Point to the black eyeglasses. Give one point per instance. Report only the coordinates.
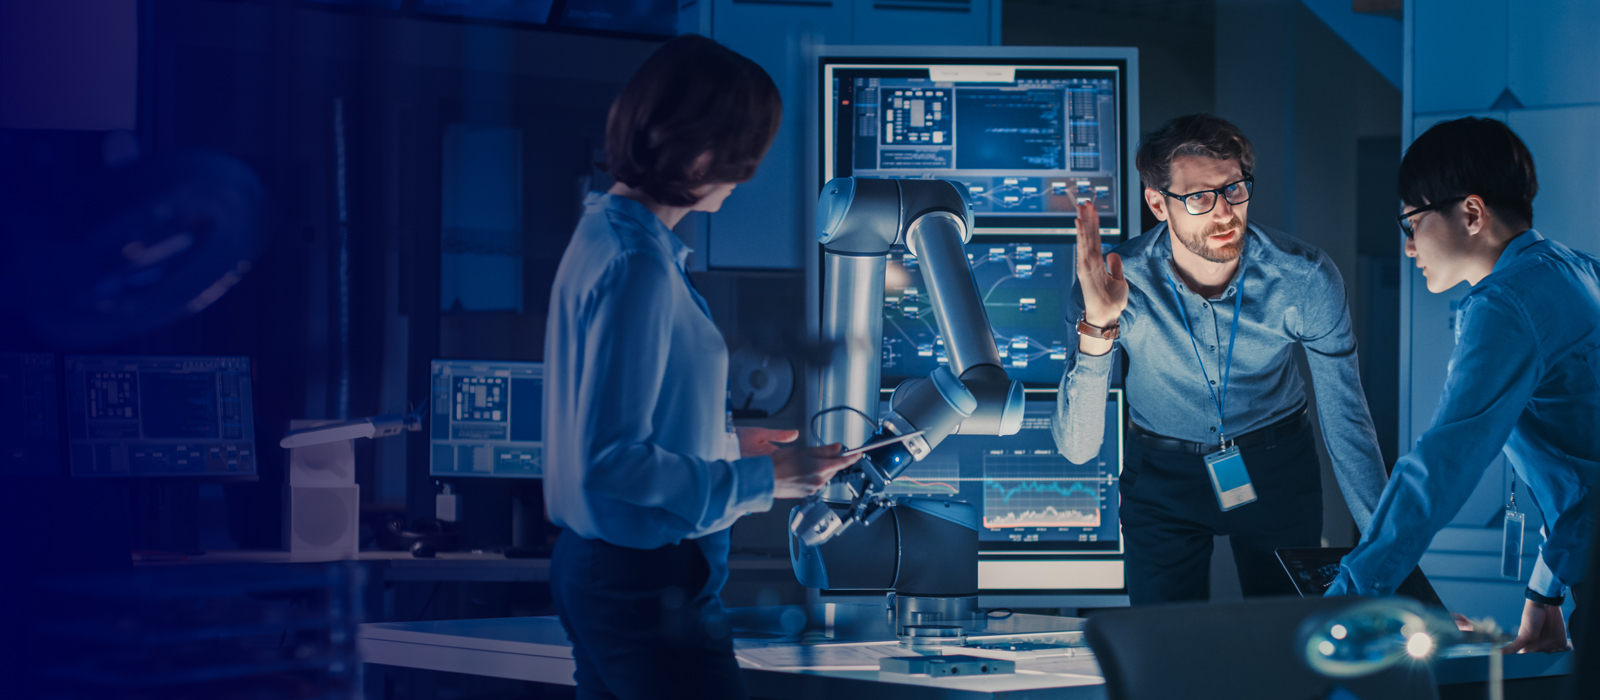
(1197, 203)
(1405, 219)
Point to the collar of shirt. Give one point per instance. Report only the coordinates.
(636, 211)
(1515, 248)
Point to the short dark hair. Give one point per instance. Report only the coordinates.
(1471, 156)
(1191, 135)
(690, 97)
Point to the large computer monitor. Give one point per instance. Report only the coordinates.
(486, 419)
(1048, 525)
(1028, 131)
(30, 430)
(147, 416)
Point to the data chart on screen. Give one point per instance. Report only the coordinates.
(1030, 497)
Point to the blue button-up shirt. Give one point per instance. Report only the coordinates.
(1293, 296)
(637, 451)
(1524, 378)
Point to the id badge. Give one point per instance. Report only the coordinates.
(1229, 478)
(1511, 545)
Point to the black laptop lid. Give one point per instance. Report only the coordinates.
(1313, 569)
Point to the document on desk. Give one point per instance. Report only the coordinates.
(853, 656)
(1082, 666)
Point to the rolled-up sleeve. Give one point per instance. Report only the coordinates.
(1078, 424)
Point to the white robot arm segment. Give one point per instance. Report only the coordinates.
(860, 221)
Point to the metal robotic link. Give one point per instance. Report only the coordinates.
(859, 221)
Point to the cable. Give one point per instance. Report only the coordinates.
(872, 425)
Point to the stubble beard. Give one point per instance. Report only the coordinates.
(1201, 244)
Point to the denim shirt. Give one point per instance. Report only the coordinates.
(1293, 295)
(636, 447)
(1524, 378)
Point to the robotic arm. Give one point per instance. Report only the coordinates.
(859, 221)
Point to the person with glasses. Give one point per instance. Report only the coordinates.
(1207, 313)
(1523, 381)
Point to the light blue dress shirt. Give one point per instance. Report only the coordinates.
(1524, 378)
(1293, 295)
(637, 451)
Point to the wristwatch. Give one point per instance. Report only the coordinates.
(1093, 331)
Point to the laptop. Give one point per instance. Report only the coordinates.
(1313, 569)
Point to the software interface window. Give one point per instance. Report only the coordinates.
(160, 416)
(1027, 142)
(486, 419)
(1025, 289)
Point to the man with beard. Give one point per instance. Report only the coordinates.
(1206, 311)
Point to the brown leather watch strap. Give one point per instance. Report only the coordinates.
(1093, 331)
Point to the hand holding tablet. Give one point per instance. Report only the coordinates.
(870, 446)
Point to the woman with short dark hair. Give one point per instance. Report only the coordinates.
(642, 471)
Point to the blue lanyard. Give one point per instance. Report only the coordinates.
(1183, 313)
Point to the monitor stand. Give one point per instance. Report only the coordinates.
(167, 517)
(527, 522)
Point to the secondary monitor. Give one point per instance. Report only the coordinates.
(1027, 131)
(30, 430)
(148, 416)
(1048, 525)
(486, 419)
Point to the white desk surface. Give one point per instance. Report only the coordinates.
(776, 665)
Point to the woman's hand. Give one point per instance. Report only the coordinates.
(759, 442)
(798, 472)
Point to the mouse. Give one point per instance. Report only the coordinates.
(423, 550)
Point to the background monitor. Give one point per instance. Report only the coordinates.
(486, 419)
(141, 416)
(30, 430)
(1047, 525)
(1027, 131)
